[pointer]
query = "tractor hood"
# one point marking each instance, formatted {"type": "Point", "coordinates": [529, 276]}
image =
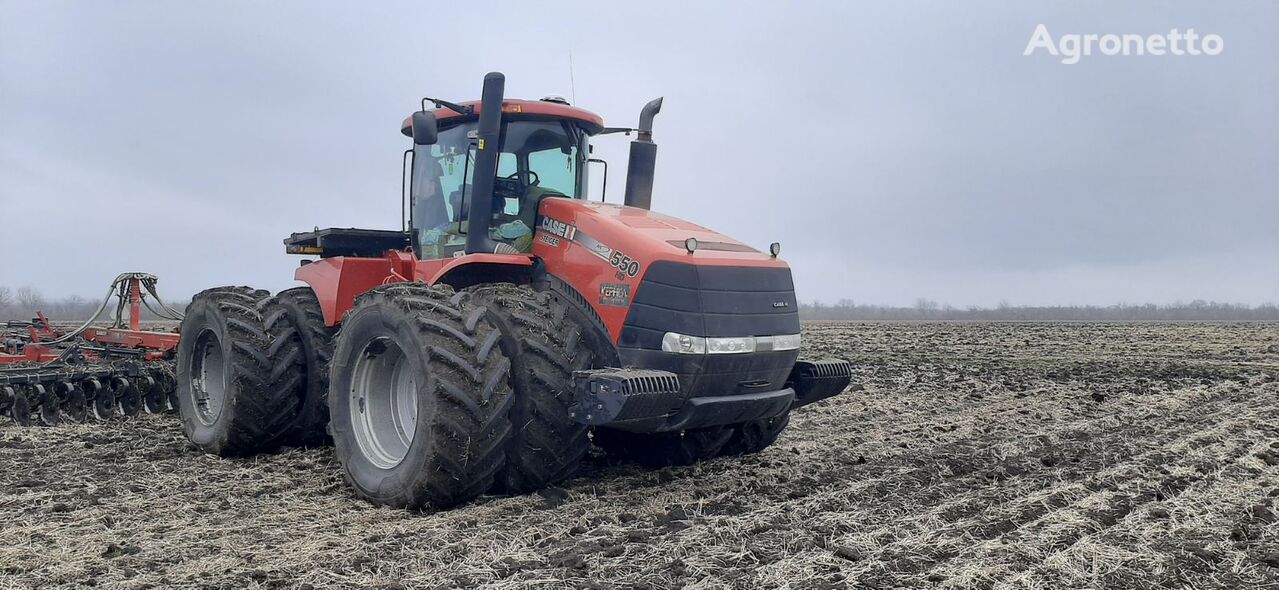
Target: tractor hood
{"type": "Point", "coordinates": [644, 234]}
{"type": "Point", "coordinates": [633, 268]}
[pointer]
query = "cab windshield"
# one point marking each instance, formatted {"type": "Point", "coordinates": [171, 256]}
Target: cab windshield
{"type": "Point", "coordinates": [537, 159]}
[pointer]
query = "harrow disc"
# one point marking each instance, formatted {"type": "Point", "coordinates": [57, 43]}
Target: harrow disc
{"type": "Point", "coordinates": [103, 401]}
{"type": "Point", "coordinates": [74, 406]}
{"type": "Point", "coordinates": [6, 399]}
{"type": "Point", "coordinates": [20, 410]}
{"type": "Point", "coordinates": [154, 399]}
{"type": "Point", "coordinates": [47, 404]}
{"type": "Point", "coordinates": [67, 407]}
{"type": "Point", "coordinates": [165, 389]}
{"type": "Point", "coordinates": [130, 401]}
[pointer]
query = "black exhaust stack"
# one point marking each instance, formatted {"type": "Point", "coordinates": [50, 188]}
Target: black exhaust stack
{"type": "Point", "coordinates": [639, 169]}
{"type": "Point", "coordinates": [489, 141]}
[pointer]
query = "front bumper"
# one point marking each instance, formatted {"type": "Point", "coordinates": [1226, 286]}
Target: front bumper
{"type": "Point", "coordinates": [644, 400]}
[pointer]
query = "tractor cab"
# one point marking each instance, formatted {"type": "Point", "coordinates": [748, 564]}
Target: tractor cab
{"type": "Point", "coordinates": [542, 152]}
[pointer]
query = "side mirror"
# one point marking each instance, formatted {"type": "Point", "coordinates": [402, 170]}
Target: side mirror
{"type": "Point", "coordinates": [425, 131]}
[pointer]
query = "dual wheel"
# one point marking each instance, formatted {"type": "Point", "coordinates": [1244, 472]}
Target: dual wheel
{"type": "Point", "coordinates": [437, 396]}
{"type": "Point", "coordinates": [252, 370]}
{"type": "Point", "coordinates": [431, 396]}
{"type": "Point", "coordinates": [446, 395]}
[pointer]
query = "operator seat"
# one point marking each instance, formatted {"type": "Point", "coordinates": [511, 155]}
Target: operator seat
{"type": "Point", "coordinates": [532, 202]}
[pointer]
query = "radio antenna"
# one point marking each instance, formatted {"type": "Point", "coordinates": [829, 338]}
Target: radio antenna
{"type": "Point", "coordinates": [572, 85]}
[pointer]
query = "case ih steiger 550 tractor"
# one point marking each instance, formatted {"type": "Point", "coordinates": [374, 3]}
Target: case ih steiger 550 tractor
{"type": "Point", "coordinates": [447, 360]}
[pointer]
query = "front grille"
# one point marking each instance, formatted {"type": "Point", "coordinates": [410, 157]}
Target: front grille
{"type": "Point", "coordinates": [710, 301]}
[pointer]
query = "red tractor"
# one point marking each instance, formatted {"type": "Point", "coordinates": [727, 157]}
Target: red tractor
{"type": "Point", "coordinates": [446, 361]}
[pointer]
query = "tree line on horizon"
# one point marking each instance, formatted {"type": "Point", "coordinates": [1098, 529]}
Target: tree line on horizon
{"type": "Point", "coordinates": [927, 309]}
{"type": "Point", "coordinates": [24, 302]}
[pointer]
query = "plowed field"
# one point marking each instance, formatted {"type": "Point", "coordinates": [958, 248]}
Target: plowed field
{"type": "Point", "coordinates": [966, 455]}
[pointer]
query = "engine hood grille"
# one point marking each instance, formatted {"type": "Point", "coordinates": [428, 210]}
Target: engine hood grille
{"type": "Point", "coordinates": [710, 300]}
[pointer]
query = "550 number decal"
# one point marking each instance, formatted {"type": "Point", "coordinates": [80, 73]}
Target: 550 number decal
{"type": "Point", "coordinates": [624, 263]}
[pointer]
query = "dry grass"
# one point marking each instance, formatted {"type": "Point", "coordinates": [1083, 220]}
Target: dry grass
{"type": "Point", "coordinates": [972, 455]}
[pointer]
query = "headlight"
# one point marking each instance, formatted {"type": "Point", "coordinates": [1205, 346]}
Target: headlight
{"type": "Point", "coordinates": [684, 344]}
{"type": "Point", "coordinates": [783, 342]}
{"type": "Point", "coordinates": [672, 342]}
{"type": "Point", "coordinates": [730, 345]}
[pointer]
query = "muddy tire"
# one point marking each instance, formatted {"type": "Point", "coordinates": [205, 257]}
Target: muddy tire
{"type": "Point", "coordinates": [753, 437]}
{"type": "Point", "coordinates": [294, 318]}
{"type": "Point", "coordinates": [234, 398]}
{"type": "Point", "coordinates": [544, 346]}
{"type": "Point", "coordinates": [419, 399]}
{"type": "Point", "coordinates": [664, 449]}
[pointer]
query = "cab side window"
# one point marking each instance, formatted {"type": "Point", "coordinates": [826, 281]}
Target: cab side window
{"type": "Point", "coordinates": [555, 169]}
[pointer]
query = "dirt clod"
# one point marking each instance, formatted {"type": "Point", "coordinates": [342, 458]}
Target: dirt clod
{"type": "Point", "coordinates": [113, 551]}
{"type": "Point", "coordinates": [1262, 513]}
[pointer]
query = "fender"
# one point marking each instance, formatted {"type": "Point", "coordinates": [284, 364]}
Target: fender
{"type": "Point", "coordinates": [451, 270]}
{"type": "Point", "coordinates": [337, 281]}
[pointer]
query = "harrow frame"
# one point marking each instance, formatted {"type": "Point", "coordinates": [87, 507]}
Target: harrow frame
{"type": "Point", "coordinates": [67, 376]}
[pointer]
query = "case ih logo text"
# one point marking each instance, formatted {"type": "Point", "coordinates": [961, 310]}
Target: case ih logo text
{"type": "Point", "coordinates": [1071, 47]}
{"type": "Point", "coordinates": [558, 228]}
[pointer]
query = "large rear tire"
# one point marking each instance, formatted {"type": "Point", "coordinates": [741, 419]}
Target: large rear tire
{"type": "Point", "coordinates": [419, 399]}
{"type": "Point", "coordinates": [294, 318]}
{"type": "Point", "coordinates": [753, 437]}
{"type": "Point", "coordinates": [666, 448]}
{"type": "Point", "coordinates": [544, 346]}
{"type": "Point", "coordinates": [234, 398]}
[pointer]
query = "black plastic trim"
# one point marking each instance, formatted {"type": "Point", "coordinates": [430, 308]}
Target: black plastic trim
{"type": "Point", "coordinates": [711, 301]}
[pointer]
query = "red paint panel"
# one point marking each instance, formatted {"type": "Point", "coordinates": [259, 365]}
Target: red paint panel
{"type": "Point", "coordinates": [31, 353]}
{"type": "Point", "coordinates": [339, 280]}
{"type": "Point", "coordinates": [159, 341]}
{"type": "Point", "coordinates": [599, 230]}
{"type": "Point", "coordinates": [516, 107]}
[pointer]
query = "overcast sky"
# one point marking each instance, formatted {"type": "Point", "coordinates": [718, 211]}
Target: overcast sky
{"type": "Point", "coordinates": [896, 149]}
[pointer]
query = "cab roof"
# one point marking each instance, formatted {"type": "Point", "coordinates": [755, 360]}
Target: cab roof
{"type": "Point", "coordinates": [589, 121]}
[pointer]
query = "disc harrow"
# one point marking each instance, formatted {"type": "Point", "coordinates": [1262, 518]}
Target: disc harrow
{"type": "Point", "coordinates": [50, 376]}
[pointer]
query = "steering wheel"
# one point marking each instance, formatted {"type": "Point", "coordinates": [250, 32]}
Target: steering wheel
{"type": "Point", "coordinates": [533, 175]}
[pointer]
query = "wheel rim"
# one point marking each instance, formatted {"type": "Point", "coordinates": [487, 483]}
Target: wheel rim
{"type": "Point", "coordinates": [208, 378]}
{"type": "Point", "coordinates": [383, 403]}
